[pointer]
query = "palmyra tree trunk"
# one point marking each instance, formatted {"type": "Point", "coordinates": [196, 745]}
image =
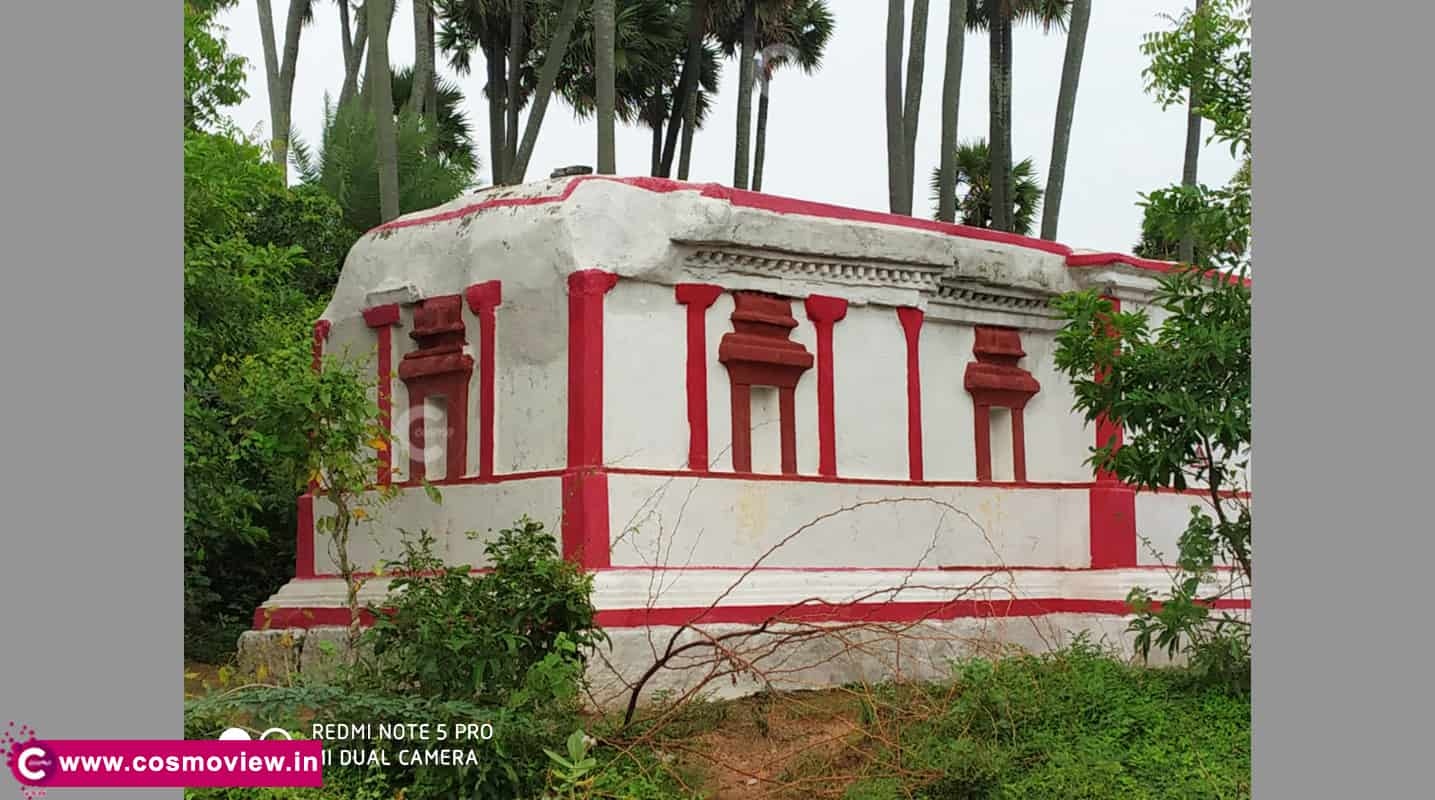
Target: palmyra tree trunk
{"type": "Point", "coordinates": [547, 77]}
{"type": "Point", "coordinates": [353, 50]}
{"type": "Point", "coordinates": [423, 58]}
{"type": "Point", "coordinates": [999, 148]}
{"type": "Point", "coordinates": [916, 62]}
{"type": "Point", "coordinates": [516, 32]}
{"type": "Point", "coordinates": [687, 93]}
{"type": "Point", "coordinates": [279, 74]}
{"type": "Point", "coordinates": [896, 151]}
{"type": "Point", "coordinates": [741, 153]}
{"type": "Point", "coordinates": [951, 101]}
{"type": "Point", "coordinates": [1187, 247]}
{"type": "Point", "coordinates": [1065, 111]}
{"type": "Point", "coordinates": [381, 97]}
{"type": "Point", "coordinates": [759, 152]}
{"type": "Point", "coordinates": [497, 87]}
{"type": "Point", "coordinates": [603, 55]}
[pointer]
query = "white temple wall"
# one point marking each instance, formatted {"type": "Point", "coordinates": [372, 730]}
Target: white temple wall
{"type": "Point", "coordinates": [484, 509]}
{"type": "Point", "coordinates": [948, 447]}
{"type": "Point", "coordinates": [645, 377]}
{"type": "Point", "coordinates": [530, 380]}
{"type": "Point", "coordinates": [870, 393]}
{"type": "Point", "coordinates": [682, 521]}
{"type": "Point", "coordinates": [1058, 440]}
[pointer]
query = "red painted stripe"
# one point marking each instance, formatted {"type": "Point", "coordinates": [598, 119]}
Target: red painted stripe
{"type": "Point", "coordinates": [585, 485]}
{"type": "Point", "coordinates": [999, 569]}
{"type": "Point", "coordinates": [698, 297]}
{"type": "Point", "coordinates": [897, 612]}
{"type": "Point", "coordinates": [1113, 526]}
{"type": "Point", "coordinates": [911, 319]}
{"type": "Point", "coordinates": [824, 313]}
{"type": "Point", "coordinates": [869, 612]}
{"type": "Point", "coordinates": [483, 300]}
{"type": "Point", "coordinates": [1106, 259]}
{"type": "Point", "coordinates": [707, 475]}
{"type": "Point", "coordinates": [304, 539]}
{"type": "Point", "coordinates": [384, 318]}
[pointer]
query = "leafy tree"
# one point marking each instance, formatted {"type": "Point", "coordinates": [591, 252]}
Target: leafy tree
{"type": "Point", "coordinates": [345, 168]}
{"type": "Point", "coordinates": [1182, 393]}
{"type": "Point", "coordinates": [971, 163]}
{"type": "Point", "coordinates": [213, 76]}
{"type": "Point", "coordinates": [258, 259]}
{"type": "Point", "coordinates": [1204, 60]}
{"type": "Point", "coordinates": [997, 18]}
{"type": "Point", "coordinates": [324, 427]}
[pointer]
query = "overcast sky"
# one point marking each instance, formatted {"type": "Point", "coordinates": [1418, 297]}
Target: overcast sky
{"type": "Point", "coordinates": [826, 133]}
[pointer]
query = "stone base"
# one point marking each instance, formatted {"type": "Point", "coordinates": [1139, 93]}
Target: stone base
{"type": "Point", "coordinates": [821, 656]}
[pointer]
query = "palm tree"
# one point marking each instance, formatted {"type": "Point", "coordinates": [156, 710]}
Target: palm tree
{"type": "Point", "coordinates": [381, 103]}
{"type": "Point", "coordinates": [951, 99]}
{"type": "Point", "coordinates": [648, 36]}
{"type": "Point", "coordinates": [279, 74]}
{"type": "Point", "coordinates": [664, 120]}
{"type": "Point", "coordinates": [798, 37]}
{"type": "Point", "coordinates": [346, 164]}
{"type": "Point", "coordinates": [998, 17]}
{"type": "Point", "coordinates": [1065, 110]}
{"type": "Point", "coordinates": [605, 76]}
{"type": "Point", "coordinates": [973, 164]}
{"type": "Point", "coordinates": [453, 140]}
{"type": "Point", "coordinates": [902, 118]}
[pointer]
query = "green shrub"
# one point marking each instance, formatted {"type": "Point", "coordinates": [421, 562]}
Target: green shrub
{"type": "Point", "coordinates": [454, 635]}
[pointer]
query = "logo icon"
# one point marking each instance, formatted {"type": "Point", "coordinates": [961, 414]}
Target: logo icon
{"type": "Point", "coordinates": [429, 427]}
{"type": "Point", "coordinates": [30, 760]}
{"type": "Point", "coordinates": [241, 735]}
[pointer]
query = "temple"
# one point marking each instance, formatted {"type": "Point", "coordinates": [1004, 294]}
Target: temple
{"type": "Point", "coordinates": [735, 408]}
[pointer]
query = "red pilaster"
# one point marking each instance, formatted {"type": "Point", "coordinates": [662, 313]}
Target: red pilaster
{"type": "Point", "coordinates": [321, 333]}
{"type": "Point", "coordinates": [585, 484]}
{"type": "Point", "coordinates": [698, 297]}
{"type": "Point", "coordinates": [383, 319]}
{"type": "Point", "coordinates": [304, 539]}
{"type": "Point", "coordinates": [484, 300]}
{"type": "Point", "coordinates": [824, 313]}
{"type": "Point", "coordinates": [1113, 504]}
{"type": "Point", "coordinates": [911, 319]}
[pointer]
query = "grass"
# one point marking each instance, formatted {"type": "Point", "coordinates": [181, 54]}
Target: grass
{"type": "Point", "coordinates": [1075, 724]}
{"type": "Point", "coordinates": [1072, 724]}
